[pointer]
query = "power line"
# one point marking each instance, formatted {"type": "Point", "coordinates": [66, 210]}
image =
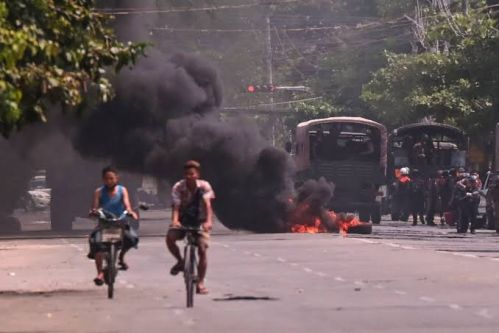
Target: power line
{"type": "Point", "coordinates": [255, 106]}
{"type": "Point", "coordinates": [248, 30]}
{"type": "Point", "coordinates": [140, 11]}
{"type": "Point", "coordinates": [204, 30]}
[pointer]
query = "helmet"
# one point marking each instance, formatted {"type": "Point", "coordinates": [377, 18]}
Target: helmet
{"type": "Point", "coordinates": [404, 171]}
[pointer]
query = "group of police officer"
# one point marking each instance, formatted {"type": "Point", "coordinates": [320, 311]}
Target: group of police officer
{"type": "Point", "coordinates": [452, 194]}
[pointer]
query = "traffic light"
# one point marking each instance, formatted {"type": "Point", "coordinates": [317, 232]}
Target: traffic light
{"type": "Point", "coordinates": [267, 88]}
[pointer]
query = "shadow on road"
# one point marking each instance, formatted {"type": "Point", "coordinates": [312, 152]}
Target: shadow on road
{"type": "Point", "coordinates": [46, 293]}
{"type": "Point", "coordinates": [229, 298]}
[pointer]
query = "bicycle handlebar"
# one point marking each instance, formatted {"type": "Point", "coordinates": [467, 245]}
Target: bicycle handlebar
{"type": "Point", "coordinates": [108, 216]}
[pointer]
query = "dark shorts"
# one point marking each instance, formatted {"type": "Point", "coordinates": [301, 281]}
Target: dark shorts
{"type": "Point", "coordinates": [130, 239]}
{"type": "Point", "coordinates": [177, 234]}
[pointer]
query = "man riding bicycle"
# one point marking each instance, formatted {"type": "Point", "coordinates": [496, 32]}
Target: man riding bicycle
{"type": "Point", "coordinates": [112, 198]}
{"type": "Point", "coordinates": [191, 207]}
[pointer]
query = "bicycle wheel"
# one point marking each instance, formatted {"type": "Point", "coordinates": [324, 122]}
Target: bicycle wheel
{"type": "Point", "coordinates": [111, 271]}
{"type": "Point", "coordinates": [189, 273]}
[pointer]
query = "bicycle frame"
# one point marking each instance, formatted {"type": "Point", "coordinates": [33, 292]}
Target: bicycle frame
{"type": "Point", "coordinates": [190, 264]}
{"type": "Point", "coordinates": [112, 236]}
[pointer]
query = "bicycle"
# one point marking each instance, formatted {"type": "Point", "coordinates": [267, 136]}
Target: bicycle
{"type": "Point", "coordinates": [190, 263]}
{"type": "Point", "coordinates": [112, 237]}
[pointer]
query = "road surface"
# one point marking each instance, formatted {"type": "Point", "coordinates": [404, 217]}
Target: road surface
{"type": "Point", "coordinates": [400, 279]}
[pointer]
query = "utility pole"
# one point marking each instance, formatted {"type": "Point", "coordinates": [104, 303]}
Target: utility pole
{"type": "Point", "coordinates": [268, 47]}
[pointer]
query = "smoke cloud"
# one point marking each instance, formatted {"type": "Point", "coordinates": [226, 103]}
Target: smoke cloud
{"type": "Point", "coordinates": [166, 112]}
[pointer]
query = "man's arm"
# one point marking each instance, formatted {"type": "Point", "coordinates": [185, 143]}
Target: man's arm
{"type": "Point", "coordinates": [126, 202]}
{"type": "Point", "coordinates": [95, 203]}
{"type": "Point", "coordinates": [208, 195]}
{"type": "Point", "coordinates": [175, 216]}
{"type": "Point", "coordinates": [176, 202]}
{"type": "Point", "coordinates": [208, 224]}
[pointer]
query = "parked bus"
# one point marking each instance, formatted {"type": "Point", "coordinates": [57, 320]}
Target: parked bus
{"type": "Point", "coordinates": [448, 146]}
{"type": "Point", "coordinates": [351, 152]}
{"type": "Point", "coordinates": [426, 147]}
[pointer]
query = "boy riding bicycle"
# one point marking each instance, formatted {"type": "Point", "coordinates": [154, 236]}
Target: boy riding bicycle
{"type": "Point", "coordinates": [191, 207]}
{"type": "Point", "coordinates": [113, 198]}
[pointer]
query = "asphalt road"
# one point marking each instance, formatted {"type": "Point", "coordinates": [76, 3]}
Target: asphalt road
{"type": "Point", "coordinates": [400, 279]}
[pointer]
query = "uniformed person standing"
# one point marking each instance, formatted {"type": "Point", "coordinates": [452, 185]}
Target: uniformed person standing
{"type": "Point", "coordinates": [417, 197]}
{"type": "Point", "coordinates": [402, 194]}
{"type": "Point", "coordinates": [466, 196]}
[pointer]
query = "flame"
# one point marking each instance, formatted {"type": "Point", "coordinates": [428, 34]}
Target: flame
{"type": "Point", "coordinates": [316, 228]}
{"type": "Point", "coordinates": [346, 222]}
{"type": "Point", "coordinates": [304, 222]}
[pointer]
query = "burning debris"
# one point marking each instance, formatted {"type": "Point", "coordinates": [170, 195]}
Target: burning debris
{"type": "Point", "coordinates": [309, 214]}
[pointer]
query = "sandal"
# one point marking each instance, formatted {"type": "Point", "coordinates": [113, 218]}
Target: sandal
{"type": "Point", "coordinates": [177, 268]}
{"type": "Point", "coordinates": [123, 266]}
{"type": "Point", "coordinates": [202, 290]}
{"type": "Point", "coordinates": [98, 281]}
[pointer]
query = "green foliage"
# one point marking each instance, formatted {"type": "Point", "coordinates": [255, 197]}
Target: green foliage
{"type": "Point", "coordinates": [304, 111]}
{"type": "Point", "coordinates": [456, 84]}
{"type": "Point", "coordinates": [360, 51]}
{"type": "Point", "coordinates": [52, 52]}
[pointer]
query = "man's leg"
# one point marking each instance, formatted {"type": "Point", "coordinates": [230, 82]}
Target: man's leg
{"type": "Point", "coordinates": [465, 224]}
{"type": "Point", "coordinates": [121, 257]}
{"type": "Point", "coordinates": [99, 260]}
{"type": "Point", "coordinates": [460, 218]}
{"type": "Point", "coordinates": [96, 253]}
{"type": "Point", "coordinates": [129, 240]}
{"type": "Point", "coordinates": [430, 213]}
{"type": "Point", "coordinates": [414, 217]}
{"type": "Point", "coordinates": [472, 219]}
{"type": "Point", "coordinates": [172, 237]}
{"type": "Point", "coordinates": [203, 263]}
{"type": "Point", "coordinates": [171, 242]}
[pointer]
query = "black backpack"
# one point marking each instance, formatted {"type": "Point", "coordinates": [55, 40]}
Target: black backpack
{"type": "Point", "coordinates": [189, 215]}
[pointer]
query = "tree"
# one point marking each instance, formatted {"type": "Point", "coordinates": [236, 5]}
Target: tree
{"type": "Point", "coordinates": [351, 54]}
{"type": "Point", "coordinates": [51, 53]}
{"type": "Point", "coordinates": [455, 80]}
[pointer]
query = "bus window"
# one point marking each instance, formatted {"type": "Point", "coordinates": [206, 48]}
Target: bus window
{"type": "Point", "coordinates": [344, 142]}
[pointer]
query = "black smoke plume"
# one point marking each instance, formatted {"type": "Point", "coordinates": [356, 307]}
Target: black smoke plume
{"type": "Point", "coordinates": [167, 112]}
{"type": "Point", "coordinates": [316, 194]}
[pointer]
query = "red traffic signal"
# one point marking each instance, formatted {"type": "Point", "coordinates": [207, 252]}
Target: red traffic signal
{"type": "Point", "coordinates": [261, 88]}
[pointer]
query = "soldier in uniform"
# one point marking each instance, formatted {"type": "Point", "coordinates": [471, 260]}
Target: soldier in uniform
{"type": "Point", "coordinates": [416, 197]}
{"type": "Point", "coordinates": [432, 199]}
{"type": "Point", "coordinates": [466, 196]}
{"type": "Point", "coordinates": [402, 193]}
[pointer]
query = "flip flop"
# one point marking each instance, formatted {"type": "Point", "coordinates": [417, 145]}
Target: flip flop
{"type": "Point", "coordinates": [98, 282]}
{"type": "Point", "coordinates": [177, 268]}
{"type": "Point", "coordinates": [202, 291]}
